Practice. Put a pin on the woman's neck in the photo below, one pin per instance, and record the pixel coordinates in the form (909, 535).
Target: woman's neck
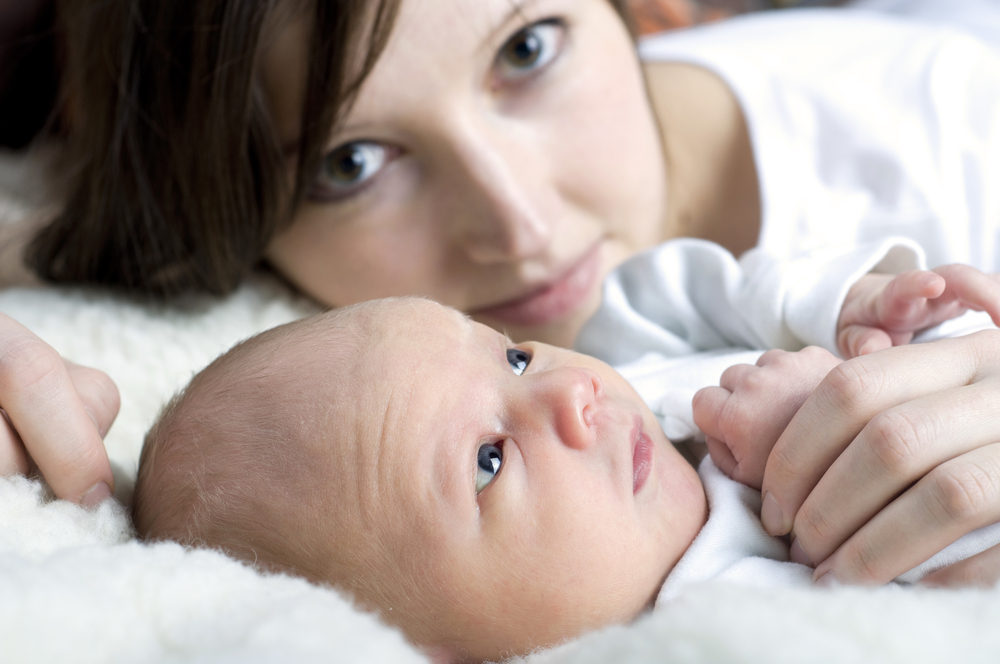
(712, 187)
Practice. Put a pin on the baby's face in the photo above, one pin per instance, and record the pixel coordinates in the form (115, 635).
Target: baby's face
(518, 494)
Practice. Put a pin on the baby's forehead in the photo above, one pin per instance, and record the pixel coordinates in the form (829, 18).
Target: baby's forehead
(408, 329)
(369, 361)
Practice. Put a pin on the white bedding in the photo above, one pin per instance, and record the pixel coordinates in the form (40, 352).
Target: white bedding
(76, 586)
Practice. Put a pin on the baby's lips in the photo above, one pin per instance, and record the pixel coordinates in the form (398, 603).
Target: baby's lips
(642, 456)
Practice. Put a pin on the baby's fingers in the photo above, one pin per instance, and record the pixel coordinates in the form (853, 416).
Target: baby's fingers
(903, 305)
(723, 457)
(726, 436)
(856, 340)
(972, 288)
(707, 407)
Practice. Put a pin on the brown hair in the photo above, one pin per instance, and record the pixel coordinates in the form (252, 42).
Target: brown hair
(176, 179)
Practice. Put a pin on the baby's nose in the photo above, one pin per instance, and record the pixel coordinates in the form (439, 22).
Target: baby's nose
(573, 395)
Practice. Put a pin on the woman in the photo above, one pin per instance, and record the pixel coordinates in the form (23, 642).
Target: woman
(501, 158)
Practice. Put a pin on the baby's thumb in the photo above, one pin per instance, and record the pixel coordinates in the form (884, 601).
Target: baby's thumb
(856, 340)
(721, 455)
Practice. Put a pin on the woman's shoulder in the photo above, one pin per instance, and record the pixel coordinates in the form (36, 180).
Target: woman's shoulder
(796, 38)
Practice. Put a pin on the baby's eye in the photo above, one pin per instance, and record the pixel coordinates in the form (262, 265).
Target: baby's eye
(531, 48)
(347, 168)
(518, 360)
(488, 465)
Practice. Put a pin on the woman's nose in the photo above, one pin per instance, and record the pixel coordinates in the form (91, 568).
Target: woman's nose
(569, 396)
(502, 195)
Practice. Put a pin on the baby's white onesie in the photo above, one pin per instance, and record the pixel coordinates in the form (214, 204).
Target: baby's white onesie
(734, 547)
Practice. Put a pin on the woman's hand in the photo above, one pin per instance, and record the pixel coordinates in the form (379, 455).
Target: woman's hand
(55, 416)
(891, 459)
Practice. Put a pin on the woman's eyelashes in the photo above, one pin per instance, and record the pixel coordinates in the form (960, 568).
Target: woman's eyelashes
(518, 360)
(347, 169)
(530, 49)
(488, 462)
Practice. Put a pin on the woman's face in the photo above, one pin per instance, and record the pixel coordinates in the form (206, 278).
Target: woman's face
(501, 158)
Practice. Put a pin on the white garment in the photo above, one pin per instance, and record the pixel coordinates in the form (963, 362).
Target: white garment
(979, 17)
(877, 143)
(863, 127)
(687, 310)
(733, 545)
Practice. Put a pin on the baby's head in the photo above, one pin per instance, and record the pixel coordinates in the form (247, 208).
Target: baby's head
(487, 497)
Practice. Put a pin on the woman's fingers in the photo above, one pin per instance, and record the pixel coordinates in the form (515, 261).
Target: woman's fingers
(954, 499)
(981, 570)
(914, 440)
(848, 398)
(44, 407)
(13, 457)
(98, 393)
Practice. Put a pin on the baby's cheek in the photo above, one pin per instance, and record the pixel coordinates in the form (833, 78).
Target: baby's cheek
(687, 505)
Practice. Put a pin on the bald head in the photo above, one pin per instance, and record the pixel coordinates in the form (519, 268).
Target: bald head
(238, 459)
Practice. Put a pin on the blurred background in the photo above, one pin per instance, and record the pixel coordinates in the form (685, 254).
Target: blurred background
(658, 15)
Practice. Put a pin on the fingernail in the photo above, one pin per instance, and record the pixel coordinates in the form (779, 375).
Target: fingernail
(771, 516)
(96, 495)
(799, 555)
(828, 580)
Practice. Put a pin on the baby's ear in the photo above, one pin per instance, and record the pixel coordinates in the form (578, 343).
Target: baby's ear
(440, 654)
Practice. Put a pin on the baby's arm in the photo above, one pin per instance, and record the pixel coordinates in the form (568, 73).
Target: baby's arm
(743, 418)
(882, 310)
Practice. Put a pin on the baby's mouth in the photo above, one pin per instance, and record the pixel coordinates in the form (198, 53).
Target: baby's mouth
(642, 456)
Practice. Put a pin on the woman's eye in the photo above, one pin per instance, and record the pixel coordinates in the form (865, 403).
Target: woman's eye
(518, 360)
(531, 48)
(347, 168)
(488, 465)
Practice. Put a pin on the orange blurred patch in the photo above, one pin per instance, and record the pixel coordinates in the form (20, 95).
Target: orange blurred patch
(653, 16)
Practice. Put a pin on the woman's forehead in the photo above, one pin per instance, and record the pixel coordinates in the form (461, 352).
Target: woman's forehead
(433, 47)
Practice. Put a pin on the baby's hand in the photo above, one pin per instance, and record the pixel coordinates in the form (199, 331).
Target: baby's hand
(743, 418)
(882, 311)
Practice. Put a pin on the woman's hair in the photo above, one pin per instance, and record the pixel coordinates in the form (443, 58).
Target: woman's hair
(176, 179)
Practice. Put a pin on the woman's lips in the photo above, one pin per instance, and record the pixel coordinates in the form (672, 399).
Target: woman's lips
(642, 458)
(554, 300)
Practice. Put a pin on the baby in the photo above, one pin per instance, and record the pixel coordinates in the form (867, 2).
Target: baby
(486, 497)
